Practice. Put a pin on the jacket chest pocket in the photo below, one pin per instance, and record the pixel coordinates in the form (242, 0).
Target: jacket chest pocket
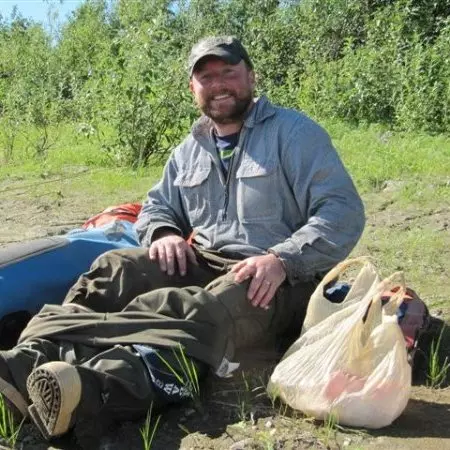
(196, 191)
(258, 197)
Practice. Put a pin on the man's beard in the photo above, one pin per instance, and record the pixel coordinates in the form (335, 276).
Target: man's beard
(235, 113)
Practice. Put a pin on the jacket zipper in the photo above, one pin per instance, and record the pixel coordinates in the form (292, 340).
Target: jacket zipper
(234, 157)
(227, 183)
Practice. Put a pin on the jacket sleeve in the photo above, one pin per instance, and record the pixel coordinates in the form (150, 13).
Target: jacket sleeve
(163, 207)
(326, 197)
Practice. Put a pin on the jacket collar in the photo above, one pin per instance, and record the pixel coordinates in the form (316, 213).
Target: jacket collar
(262, 109)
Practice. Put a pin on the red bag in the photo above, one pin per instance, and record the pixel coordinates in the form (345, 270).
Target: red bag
(126, 211)
(413, 317)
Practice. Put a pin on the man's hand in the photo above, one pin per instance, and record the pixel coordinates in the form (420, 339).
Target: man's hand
(172, 251)
(267, 272)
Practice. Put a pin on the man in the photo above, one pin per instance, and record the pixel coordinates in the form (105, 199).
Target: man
(252, 208)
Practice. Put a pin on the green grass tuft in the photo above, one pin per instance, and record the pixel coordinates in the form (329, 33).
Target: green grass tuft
(437, 369)
(9, 429)
(149, 429)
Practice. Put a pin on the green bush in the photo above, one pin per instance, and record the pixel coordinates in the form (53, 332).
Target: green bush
(120, 66)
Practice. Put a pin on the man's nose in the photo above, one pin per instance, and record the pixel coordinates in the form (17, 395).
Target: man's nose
(218, 81)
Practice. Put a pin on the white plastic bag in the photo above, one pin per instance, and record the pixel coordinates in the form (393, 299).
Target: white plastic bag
(353, 364)
(319, 307)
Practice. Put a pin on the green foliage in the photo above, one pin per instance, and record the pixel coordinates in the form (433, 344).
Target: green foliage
(185, 372)
(437, 369)
(28, 85)
(330, 428)
(145, 101)
(9, 429)
(148, 431)
(389, 73)
(120, 66)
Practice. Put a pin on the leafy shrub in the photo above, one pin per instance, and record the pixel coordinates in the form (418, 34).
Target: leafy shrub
(120, 66)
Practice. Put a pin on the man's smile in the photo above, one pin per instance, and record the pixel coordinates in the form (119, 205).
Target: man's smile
(222, 97)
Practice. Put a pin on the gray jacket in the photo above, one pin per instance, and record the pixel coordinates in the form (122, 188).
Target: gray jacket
(287, 192)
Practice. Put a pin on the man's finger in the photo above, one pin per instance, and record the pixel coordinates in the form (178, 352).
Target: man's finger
(244, 273)
(268, 297)
(161, 252)
(153, 252)
(238, 266)
(170, 259)
(252, 289)
(258, 291)
(181, 260)
(258, 287)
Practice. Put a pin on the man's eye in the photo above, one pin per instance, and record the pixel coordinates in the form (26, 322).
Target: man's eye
(205, 78)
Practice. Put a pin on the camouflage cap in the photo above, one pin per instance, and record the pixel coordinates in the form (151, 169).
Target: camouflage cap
(227, 48)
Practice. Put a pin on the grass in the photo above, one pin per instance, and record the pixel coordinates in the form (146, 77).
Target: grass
(330, 428)
(266, 439)
(374, 155)
(185, 373)
(9, 429)
(417, 250)
(149, 429)
(78, 163)
(252, 389)
(244, 409)
(371, 153)
(437, 369)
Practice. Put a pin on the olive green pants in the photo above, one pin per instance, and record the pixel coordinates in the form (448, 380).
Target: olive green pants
(125, 299)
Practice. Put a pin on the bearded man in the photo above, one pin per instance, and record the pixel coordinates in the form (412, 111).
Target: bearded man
(253, 207)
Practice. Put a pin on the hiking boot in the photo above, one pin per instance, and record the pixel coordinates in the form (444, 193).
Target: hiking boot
(55, 391)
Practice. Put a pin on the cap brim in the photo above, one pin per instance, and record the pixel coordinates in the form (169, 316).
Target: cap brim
(221, 53)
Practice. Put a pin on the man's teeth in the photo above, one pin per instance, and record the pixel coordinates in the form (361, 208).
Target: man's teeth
(220, 97)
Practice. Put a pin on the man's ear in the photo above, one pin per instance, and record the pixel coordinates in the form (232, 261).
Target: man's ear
(191, 86)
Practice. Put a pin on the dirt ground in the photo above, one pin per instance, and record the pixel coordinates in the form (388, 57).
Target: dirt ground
(29, 212)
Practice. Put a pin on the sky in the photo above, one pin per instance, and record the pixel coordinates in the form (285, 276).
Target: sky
(37, 9)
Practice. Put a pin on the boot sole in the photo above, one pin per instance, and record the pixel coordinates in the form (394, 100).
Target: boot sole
(55, 391)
